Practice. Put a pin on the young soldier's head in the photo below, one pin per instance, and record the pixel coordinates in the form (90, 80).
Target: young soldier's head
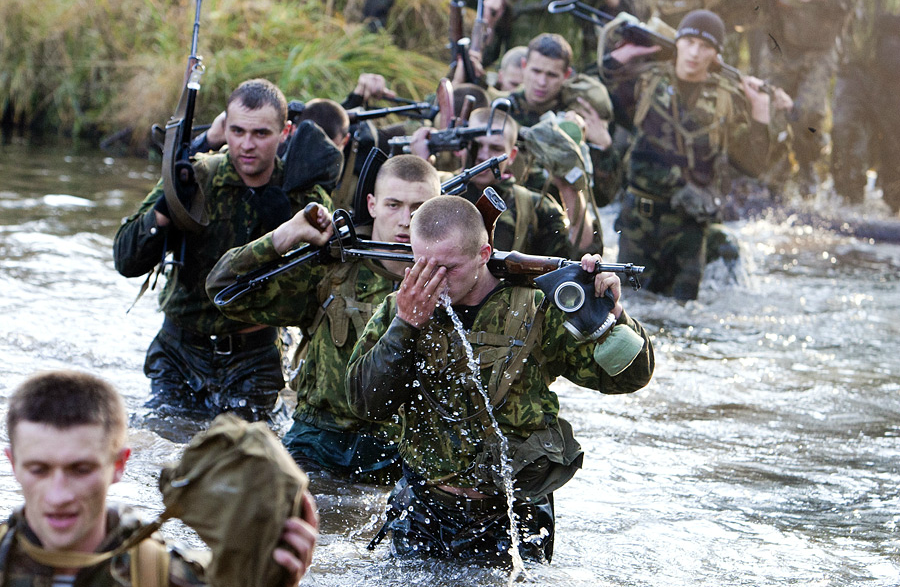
(255, 125)
(510, 74)
(698, 42)
(67, 433)
(493, 145)
(450, 230)
(331, 118)
(403, 183)
(545, 68)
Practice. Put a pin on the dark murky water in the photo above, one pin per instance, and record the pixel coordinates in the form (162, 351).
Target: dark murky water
(765, 452)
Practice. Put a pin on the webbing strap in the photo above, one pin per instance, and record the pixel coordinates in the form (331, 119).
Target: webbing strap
(76, 560)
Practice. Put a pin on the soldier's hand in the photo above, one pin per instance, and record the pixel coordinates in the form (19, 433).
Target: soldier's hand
(596, 129)
(372, 86)
(604, 281)
(310, 225)
(215, 135)
(420, 291)
(628, 51)
(300, 534)
(418, 144)
(759, 100)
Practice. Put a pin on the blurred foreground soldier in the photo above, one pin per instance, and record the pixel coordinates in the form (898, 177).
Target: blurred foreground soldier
(866, 106)
(201, 363)
(687, 119)
(411, 361)
(332, 303)
(67, 436)
(800, 57)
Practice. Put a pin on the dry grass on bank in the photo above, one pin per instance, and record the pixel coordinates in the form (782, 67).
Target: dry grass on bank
(93, 67)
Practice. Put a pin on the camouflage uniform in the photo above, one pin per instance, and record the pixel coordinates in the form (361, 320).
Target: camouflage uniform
(605, 163)
(714, 120)
(423, 374)
(198, 361)
(534, 224)
(800, 58)
(336, 301)
(18, 570)
(866, 122)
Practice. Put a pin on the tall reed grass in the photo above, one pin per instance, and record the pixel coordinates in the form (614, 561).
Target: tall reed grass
(93, 67)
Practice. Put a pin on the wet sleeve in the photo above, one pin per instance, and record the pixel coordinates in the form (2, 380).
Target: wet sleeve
(575, 360)
(381, 370)
(749, 141)
(140, 242)
(286, 299)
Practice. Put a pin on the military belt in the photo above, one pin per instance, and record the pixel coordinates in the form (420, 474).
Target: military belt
(485, 505)
(646, 204)
(222, 344)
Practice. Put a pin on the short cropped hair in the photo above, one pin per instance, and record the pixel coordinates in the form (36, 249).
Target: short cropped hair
(64, 399)
(502, 119)
(451, 216)
(460, 91)
(411, 169)
(552, 46)
(256, 93)
(514, 57)
(329, 115)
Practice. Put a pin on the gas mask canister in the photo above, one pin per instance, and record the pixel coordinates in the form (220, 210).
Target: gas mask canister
(571, 289)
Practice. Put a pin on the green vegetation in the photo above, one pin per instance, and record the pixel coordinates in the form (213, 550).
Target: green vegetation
(94, 67)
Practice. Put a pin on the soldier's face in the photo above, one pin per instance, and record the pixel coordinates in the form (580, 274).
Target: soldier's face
(253, 137)
(64, 474)
(694, 58)
(489, 146)
(392, 206)
(543, 78)
(465, 270)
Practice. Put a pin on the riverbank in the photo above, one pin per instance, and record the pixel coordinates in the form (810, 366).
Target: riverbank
(95, 68)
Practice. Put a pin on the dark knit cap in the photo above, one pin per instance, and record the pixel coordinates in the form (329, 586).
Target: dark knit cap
(704, 24)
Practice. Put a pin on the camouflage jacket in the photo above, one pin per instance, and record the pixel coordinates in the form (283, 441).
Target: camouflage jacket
(237, 215)
(606, 163)
(541, 228)
(443, 435)
(675, 140)
(295, 298)
(18, 570)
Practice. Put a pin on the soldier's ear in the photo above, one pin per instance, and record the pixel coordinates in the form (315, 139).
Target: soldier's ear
(569, 72)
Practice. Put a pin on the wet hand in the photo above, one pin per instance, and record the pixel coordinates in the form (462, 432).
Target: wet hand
(310, 225)
(300, 534)
(420, 291)
(603, 282)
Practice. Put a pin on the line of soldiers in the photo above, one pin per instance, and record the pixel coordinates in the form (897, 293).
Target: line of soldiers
(386, 390)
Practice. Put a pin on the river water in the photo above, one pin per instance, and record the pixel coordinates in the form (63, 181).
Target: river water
(766, 450)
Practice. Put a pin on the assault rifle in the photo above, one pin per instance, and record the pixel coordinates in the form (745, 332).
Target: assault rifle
(422, 110)
(632, 30)
(183, 199)
(460, 46)
(457, 184)
(455, 138)
(345, 245)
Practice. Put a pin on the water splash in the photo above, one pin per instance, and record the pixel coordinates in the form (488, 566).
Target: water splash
(518, 566)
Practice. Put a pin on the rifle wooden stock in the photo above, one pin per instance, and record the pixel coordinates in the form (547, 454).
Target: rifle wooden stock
(490, 205)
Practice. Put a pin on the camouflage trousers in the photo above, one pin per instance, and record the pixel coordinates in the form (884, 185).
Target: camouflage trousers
(426, 521)
(669, 244)
(201, 381)
(358, 457)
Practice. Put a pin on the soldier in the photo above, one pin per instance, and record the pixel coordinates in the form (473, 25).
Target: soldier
(550, 89)
(687, 118)
(332, 304)
(801, 58)
(67, 446)
(866, 129)
(200, 362)
(412, 361)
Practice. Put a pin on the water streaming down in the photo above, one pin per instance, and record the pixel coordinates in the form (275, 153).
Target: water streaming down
(505, 469)
(764, 452)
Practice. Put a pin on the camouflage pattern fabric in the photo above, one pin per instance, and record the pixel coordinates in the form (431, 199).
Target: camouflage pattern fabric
(291, 299)
(234, 220)
(423, 375)
(17, 570)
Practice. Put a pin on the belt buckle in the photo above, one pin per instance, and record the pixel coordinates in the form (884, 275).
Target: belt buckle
(216, 341)
(645, 207)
